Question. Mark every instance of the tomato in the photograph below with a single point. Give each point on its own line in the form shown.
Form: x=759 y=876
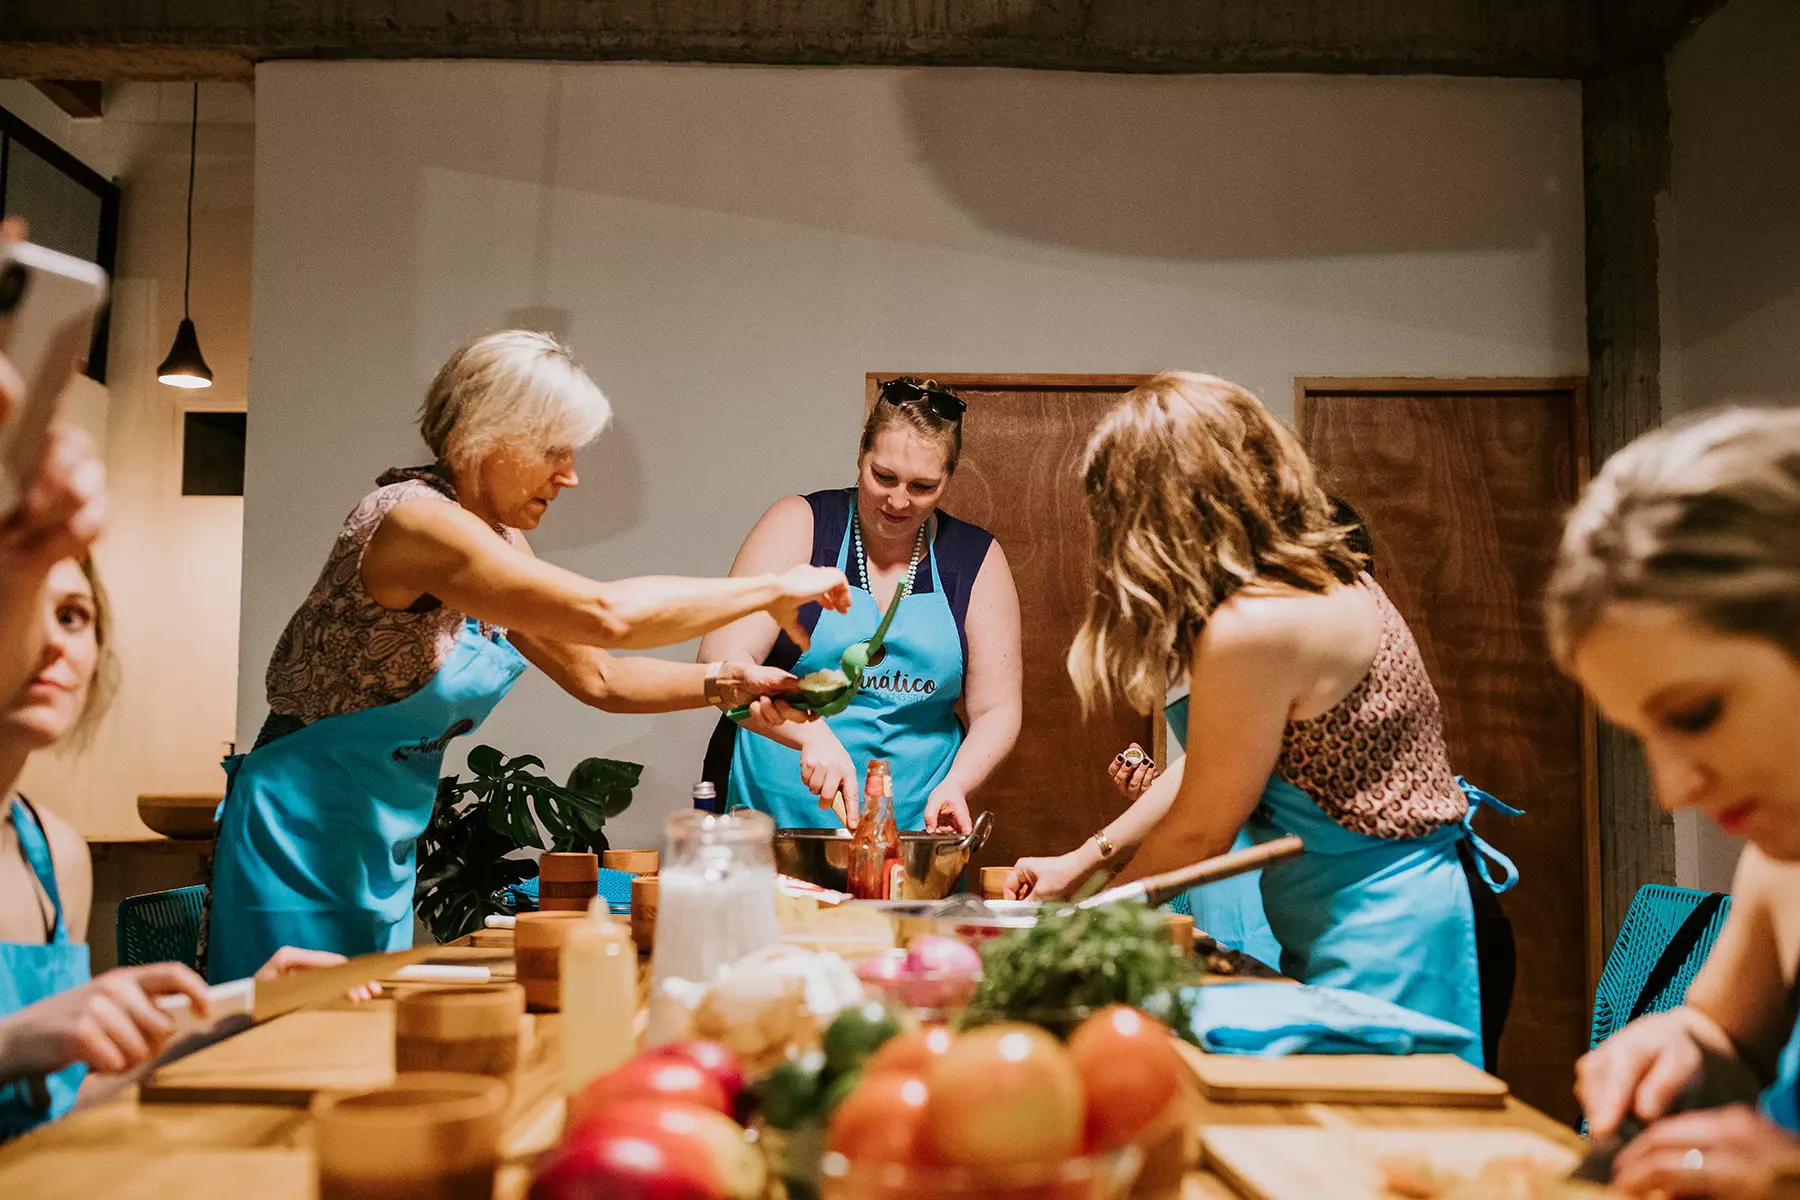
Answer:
x=710 y=1057
x=910 y=1053
x=1004 y=1094
x=880 y=1120
x=1130 y=1072
x=651 y=1075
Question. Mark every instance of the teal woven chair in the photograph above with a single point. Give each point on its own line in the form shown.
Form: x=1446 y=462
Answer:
x=1666 y=936
x=161 y=927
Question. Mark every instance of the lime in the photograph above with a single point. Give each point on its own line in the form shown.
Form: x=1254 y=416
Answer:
x=838 y=1092
x=791 y=1091
x=856 y=1034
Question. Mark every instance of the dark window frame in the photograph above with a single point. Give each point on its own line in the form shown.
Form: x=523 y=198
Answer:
x=13 y=128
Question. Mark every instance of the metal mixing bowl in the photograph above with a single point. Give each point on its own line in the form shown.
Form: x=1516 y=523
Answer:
x=934 y=861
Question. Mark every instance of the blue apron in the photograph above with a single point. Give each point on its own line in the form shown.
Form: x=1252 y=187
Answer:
x=1781 y=1102
x=905 y=711
x=318 y=832
x=1388 y=917
x=1231 y=910
x=32 y=973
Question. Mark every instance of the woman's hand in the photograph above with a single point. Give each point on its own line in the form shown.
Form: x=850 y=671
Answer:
x=803 y=585
x=829 y=773
x=110 y=1023
x=1048 y=878
x=741 y=683
x=947 y=809
x=1132 y=779
x=62 y=511
x=1726 y=1153
x=1642 y=1068
x=289 y=959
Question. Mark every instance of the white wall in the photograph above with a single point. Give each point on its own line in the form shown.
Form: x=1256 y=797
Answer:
x=730 y=249
x=1731 y=248
x=170 y=562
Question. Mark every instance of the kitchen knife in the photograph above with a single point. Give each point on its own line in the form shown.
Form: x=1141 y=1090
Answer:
x=1721 y=1080
x=1160 y=889
x=264 y=999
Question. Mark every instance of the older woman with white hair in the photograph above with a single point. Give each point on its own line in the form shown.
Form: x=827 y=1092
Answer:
x=430 y=606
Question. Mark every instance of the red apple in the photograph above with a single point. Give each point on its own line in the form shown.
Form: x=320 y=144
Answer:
x=650 y=1076
x=710 y=1057
x=654 y=1150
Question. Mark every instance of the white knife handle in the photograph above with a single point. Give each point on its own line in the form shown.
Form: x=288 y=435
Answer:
x=227 y=999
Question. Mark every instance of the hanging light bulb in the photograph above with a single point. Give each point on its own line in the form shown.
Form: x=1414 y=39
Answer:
x=185 y=367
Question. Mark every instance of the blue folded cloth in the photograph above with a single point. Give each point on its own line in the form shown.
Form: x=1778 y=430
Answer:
x=614 y=888
x=1270 y=1020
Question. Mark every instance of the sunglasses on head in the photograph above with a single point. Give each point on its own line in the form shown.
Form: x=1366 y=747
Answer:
x=933 y=395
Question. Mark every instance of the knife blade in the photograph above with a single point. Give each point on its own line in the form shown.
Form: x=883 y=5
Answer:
x=1719 y=1081
x=264 y=999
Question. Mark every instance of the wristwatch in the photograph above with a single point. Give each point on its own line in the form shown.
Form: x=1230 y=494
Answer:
x=710 y=686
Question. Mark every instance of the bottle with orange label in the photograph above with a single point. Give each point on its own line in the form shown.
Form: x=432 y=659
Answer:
x=877 y=870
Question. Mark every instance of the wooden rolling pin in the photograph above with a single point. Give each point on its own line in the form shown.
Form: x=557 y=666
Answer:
x=1160 y=889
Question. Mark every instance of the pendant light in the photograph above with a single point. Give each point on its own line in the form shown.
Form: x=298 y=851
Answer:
x=185 y=368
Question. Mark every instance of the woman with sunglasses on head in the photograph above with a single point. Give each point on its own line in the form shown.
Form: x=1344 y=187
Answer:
x=1310 y=711
x=1676 y=604
x=955 y=636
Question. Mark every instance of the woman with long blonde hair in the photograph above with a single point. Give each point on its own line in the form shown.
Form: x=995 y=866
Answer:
x=1309 y=710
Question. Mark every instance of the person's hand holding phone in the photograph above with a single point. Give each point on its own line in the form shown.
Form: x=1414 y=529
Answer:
x=61 y=509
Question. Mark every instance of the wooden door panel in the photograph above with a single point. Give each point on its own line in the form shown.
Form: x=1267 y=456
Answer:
x=1023 y=438
x=1463 y=492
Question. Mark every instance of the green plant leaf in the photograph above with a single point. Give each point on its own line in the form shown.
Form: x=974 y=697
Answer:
x=509 y=815
x=523 y=761
x=485 y=760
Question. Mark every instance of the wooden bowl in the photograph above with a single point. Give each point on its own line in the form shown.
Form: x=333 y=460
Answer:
x=182 y=816
x=1181 y=931
x=568 y=882
x=537 y=956
x=430 y=1135
x=472 y=1030
x=993 y=882
x=634 y=862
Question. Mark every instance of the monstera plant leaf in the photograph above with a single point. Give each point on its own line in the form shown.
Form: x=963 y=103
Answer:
x=472 y=849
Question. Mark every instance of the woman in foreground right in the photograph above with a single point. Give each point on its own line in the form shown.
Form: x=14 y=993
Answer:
x=1676 y=604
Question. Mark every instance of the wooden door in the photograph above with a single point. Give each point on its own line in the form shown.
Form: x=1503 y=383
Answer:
x=1023 y=438
x=1463 y=485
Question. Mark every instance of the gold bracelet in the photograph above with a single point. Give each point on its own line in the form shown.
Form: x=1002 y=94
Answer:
x=1100 y=840
x=710 y=686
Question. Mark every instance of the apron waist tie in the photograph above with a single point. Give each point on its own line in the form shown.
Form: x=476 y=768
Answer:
x=1485 y=851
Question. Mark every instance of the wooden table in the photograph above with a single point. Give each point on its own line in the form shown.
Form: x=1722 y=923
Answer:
x=124 y=1150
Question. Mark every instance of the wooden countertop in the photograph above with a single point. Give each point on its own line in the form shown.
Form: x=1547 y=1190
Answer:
x=224 y=1151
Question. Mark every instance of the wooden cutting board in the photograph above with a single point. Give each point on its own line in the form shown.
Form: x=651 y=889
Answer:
x=84 y=1173
x=1295 y=1163
x=1439 y=1080
x=286 y=1061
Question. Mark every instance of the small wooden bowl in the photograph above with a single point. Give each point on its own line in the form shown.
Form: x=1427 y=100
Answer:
x=473 y=1030
x=537 y=956
x=993 y=882
x=430 y=1135
x=635 y=862
x=643 y=912
x=1181 y=931
x=568 y=882
x=180 y=816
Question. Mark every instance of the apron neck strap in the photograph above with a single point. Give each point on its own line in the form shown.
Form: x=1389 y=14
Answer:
x=34 y=848
x=927 y=560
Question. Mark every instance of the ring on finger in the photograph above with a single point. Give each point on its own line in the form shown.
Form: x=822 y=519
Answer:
x=1693 y=1161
